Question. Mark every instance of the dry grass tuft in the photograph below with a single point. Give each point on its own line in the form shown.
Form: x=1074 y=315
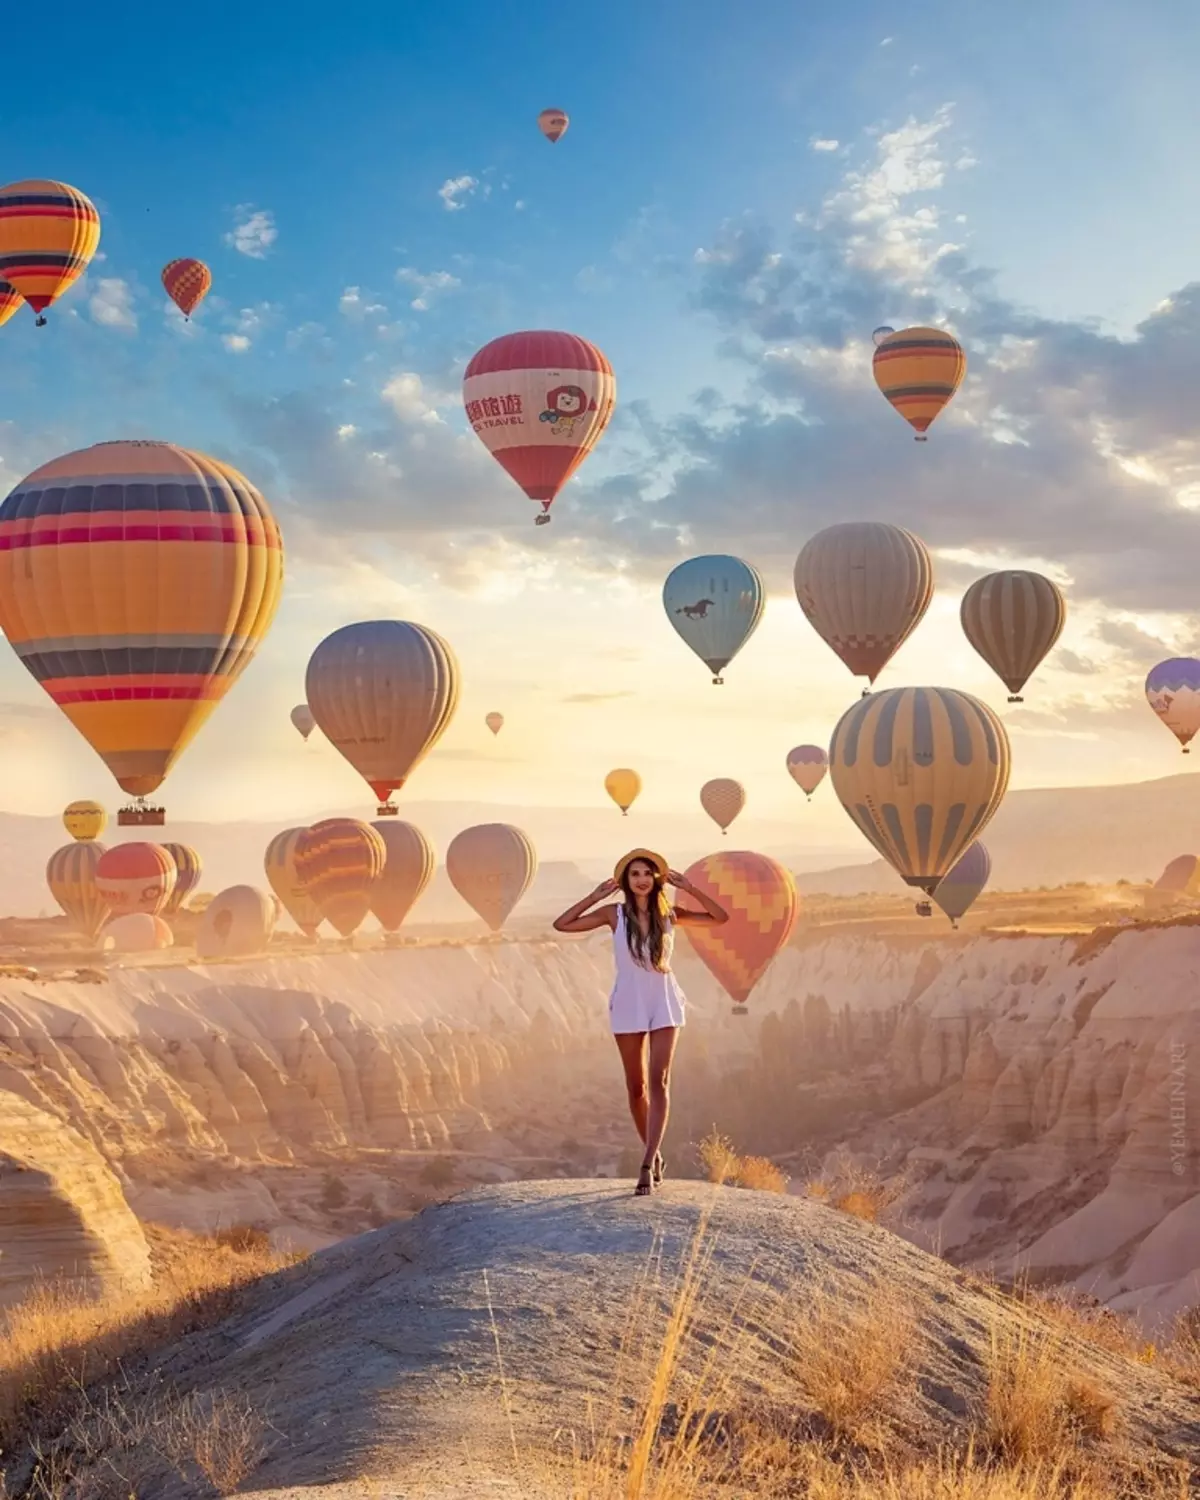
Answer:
x=856 y=1188
x=717 y=1157
x=759 y=1173
x=722 y=1164
x=1038 y=1405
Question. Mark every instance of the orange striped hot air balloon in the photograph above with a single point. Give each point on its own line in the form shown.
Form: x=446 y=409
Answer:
x=136 y=582
x=539 y=402
x=760 y=897
x=10 y=301
x=188 y=869
x=187 y=283
x=338 y=862
x=71 y=876
x=135 y=877
x=280 y=866
x=48 y=233
x=722 y=799
x=919 y=370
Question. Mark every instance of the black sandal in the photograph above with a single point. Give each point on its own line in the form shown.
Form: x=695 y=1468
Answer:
x=645 y=1182
x=660 y=1169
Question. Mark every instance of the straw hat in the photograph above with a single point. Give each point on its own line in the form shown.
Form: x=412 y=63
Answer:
x=648 y=855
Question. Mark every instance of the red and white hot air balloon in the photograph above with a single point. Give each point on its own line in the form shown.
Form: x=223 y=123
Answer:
x=539 y=402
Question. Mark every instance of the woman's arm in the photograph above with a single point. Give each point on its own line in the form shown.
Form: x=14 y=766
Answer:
x=578 y=918
x=711 y=911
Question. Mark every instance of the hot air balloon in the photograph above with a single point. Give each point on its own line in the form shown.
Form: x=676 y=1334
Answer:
x=237 y=923
x=136 y=582
x=408 y=870
x=338 y=862
x=957 y=890
x=302 y=720
x=383 y=692
x=1012 y=619
x=495 y=722
x=553 y=124
x=84 y=820
x=539 y=402
x=48 y=233
x=1179 y=882
x=919 y=370
x=880 y=334
x=715 y=604
x=807 y=765
x=760 y=897
x=722 y=799
x=10 y=301
x=71 y=876
x=137 y=932
x=623 y=787
x=921 y=771
x=491 y=867
x=864 y=586
x=1173 y=692
x=187 y=283
x=135 y=877
x=188 y=869
x=280 y=866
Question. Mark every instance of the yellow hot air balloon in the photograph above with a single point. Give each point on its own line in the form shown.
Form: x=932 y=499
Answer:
x=623 y=787
x=1013 y=619
x=383 y=693
x=188 y=869
x=136 y=582
x=280 y=867
x=49 y=232
x=84 y=820
x=407 y=871
x=921 y=771
x=864 y=586
x=722 y=799
x=491 y=867
x=919 y=370
x=71 y=876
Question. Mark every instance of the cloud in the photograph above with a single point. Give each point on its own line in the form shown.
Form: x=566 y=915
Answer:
x=253 y=231
x=596 y=697
x=236 y=343
x=356 y=306
x=111 y=304
x=406 y=394
x=820 y=143
x=426 y=284
x=454 y=189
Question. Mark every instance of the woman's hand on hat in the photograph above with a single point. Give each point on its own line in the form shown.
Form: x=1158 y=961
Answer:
x=680 y=882
x=605 y=888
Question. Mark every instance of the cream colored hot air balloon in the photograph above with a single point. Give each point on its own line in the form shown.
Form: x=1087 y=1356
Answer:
x=136 y=932
x=84 y=820
x=406 y=872
x=237 y=923
x=623 y=787
x=491 y=867
x=302 y=720
x=807 y=765
x=722 y=799
x=1013 y=619
x=921 y=771
x=71 y=876
x=383 y=693
x=280 y=867
x=495 y=722
x=864 y=586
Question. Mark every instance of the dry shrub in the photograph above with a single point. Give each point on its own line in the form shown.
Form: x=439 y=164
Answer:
x=1091 y=1322
x=219 y=1434
x=1038 y=1406
x=717 y=1157
x=1181 y=1352
x=856 y=1188
x=246 y=1239
x=758 y=1173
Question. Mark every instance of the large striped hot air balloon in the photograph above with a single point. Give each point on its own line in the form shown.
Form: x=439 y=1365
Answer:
x=84 y=820
x=955 y=893
x=539 y=402
x=135 y=877
x=760 y=897
x=136 y=582
x=919 y=370
x=10 y=301
x=1012 y=619
x=188 y=869
x=553 y=124
x=187 y=283
x=722 y=799
x=864 y=586
x=48 y=233
x=807 y=765
x=71 y=876
x=715 y=604
x=383 y=693
x=623 y=786
x=491 y=867
x=921 y=771
x=279 y=864
x=408 y=870
x=1173 y=692
x=338 y=862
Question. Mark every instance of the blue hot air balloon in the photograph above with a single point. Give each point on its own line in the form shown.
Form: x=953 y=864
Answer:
x=715 y=604
x=957 y=890
x=1173 y=692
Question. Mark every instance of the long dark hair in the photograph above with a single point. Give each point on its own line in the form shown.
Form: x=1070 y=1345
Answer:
x=646 y=947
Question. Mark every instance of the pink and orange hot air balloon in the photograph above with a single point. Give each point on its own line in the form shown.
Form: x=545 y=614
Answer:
x=761 y=899
x=539 y=402
x=187 y=283
x=553 y=124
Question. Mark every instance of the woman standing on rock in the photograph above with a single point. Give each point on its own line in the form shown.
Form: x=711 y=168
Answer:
x=646 y=1000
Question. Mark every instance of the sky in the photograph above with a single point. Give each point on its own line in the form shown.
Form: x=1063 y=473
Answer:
x=742 y=196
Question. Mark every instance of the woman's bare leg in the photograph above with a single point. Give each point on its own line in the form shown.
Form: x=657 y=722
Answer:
x=632 y=1047
x=662 y=1050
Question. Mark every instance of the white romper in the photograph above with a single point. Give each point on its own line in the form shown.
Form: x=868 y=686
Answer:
x=643 y=999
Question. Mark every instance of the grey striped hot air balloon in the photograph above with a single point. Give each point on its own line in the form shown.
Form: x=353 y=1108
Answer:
x=1013 y=618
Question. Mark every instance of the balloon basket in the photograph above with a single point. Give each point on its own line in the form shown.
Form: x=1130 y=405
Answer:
x=138 y=815
x=718 y=682
x=387 y=810
x=741 y=1010
x=1015 y=698
x=542 y=520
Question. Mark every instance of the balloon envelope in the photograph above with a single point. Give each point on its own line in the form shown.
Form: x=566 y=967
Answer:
x=957 y=890
x=715 y=604
x=84 y=820
x=188 y=869
x=807 y=765
x=135 y=877
x=921 y=771
x=280 y=867
x=237 y=923
x=495 y=722
x=338 y=862
x=864 y=587
x=881 y=333
x=491 y=867
x=539 y=402
x=383 y=693
x=137 y=580
x=722 y=799
x=1181 y=877
x=71 y=876
x=623 y=786
x=553 y=124
x=49 y=232
x=137 y=932
x=760 y=897
x=1173 y=692
x=1012 y=619
x=919 y=370
x=187 y=283
x=302 y=720
x=407 y=871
